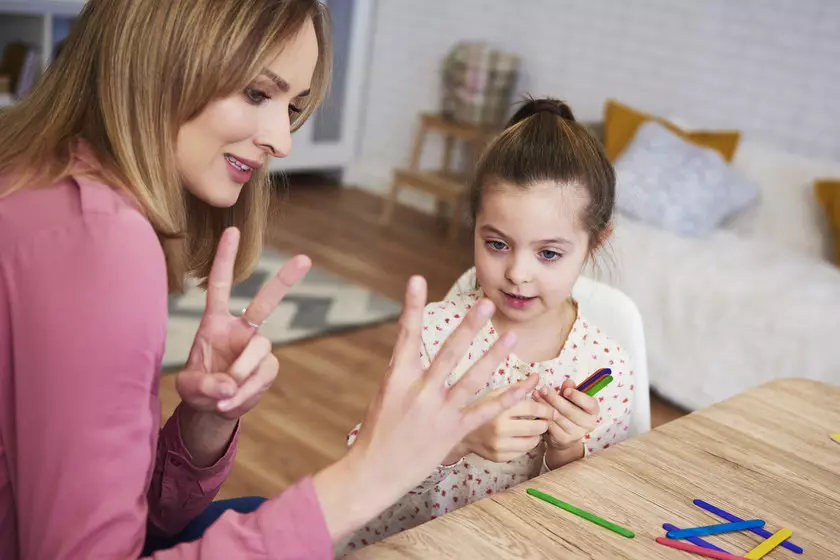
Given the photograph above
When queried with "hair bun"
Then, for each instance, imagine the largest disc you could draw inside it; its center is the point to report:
(543, 105)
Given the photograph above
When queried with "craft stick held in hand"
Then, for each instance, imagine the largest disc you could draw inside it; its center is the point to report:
(593, 379)
(595, 389)
(580, 513)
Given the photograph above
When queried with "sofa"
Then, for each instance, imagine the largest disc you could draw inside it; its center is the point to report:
(755, 298)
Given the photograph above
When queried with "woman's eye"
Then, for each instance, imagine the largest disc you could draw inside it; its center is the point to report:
(255, 96)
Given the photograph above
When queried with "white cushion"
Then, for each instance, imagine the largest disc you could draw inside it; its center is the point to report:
(665, 181)
(789, 214)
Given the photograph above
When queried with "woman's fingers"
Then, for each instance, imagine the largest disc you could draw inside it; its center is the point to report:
(483, 410)
(220, 280)
(407, 348)
(455, 346)
(203, 390)
(257, 349)
(273, 291)
(476, 377)
(260, 380)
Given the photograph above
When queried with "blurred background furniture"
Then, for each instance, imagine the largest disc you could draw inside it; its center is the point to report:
(449, 183)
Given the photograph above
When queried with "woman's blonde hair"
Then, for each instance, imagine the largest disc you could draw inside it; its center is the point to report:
(130, 74)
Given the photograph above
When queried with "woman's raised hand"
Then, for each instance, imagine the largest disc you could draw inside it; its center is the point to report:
(415, 420)
(230, 364)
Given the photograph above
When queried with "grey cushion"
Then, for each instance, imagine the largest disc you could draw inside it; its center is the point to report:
(668, 182)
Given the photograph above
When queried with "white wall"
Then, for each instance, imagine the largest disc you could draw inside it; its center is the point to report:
(770, 68)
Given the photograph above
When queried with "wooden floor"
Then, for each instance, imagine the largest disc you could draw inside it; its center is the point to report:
(325, 383)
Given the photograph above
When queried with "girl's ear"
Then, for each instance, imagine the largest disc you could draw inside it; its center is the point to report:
(603, 238)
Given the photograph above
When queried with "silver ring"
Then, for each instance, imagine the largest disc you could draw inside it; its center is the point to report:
(256, 326)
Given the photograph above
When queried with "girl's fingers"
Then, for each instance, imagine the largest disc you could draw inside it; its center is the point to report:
(564, 407)
(476, 377)
(483, 410)
(530, 409)
(524, 428)
(582, 400)
(255, 352)
(260, 380)
(456, 344)
(559, 434)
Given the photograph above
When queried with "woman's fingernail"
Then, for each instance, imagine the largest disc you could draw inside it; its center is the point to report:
(567, 393)
(225, 405)
(485, 309)
(544, 391)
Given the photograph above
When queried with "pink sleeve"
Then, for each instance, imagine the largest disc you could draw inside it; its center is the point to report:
(88, 310)
(179, 491)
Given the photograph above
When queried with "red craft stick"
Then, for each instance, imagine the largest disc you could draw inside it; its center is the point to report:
(707, 552)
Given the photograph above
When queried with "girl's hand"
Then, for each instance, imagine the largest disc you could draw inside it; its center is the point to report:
(230, 364)
(577, 416)
(510, 434)
(415, 420)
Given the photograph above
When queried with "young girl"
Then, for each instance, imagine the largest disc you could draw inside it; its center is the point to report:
(542, 201)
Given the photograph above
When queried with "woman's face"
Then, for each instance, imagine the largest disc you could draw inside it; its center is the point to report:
(218, 150)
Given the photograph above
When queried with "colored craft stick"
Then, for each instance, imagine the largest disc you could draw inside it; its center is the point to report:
(696, 540)
(580, 513)
(688, 547)
(836, 437)
(715, 529)
(758, 531)
(592, 391)
(592, 379)
(758, 552)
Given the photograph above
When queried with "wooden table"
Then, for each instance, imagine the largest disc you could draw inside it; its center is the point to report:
(763, 454)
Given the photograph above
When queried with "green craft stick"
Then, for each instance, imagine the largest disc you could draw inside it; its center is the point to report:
(592, 391)
(579, 512)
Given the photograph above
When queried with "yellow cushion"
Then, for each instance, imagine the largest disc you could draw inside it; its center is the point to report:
(828, 193)
(622, 121)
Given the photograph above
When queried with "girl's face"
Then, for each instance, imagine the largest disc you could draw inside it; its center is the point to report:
(218, 151)
(530, 246)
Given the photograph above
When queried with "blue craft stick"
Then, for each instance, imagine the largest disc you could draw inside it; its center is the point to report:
(715, 529)
(696, 540)
(593, 379)
(758, 531)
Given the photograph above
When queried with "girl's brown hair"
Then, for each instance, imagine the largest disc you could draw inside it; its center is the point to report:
(543, 142)
(130, 74)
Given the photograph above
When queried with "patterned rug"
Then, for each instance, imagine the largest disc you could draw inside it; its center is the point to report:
(321, 303)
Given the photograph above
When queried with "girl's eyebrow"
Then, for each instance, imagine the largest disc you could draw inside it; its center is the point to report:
(282, 84)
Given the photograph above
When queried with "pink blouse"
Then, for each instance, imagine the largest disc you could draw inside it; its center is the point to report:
(85, 470)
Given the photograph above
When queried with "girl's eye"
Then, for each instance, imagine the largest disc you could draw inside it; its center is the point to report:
(255, 96)
(497, 245)
(550, 255)
(295, 109)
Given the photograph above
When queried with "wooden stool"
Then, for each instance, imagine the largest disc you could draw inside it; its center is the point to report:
(447, 185)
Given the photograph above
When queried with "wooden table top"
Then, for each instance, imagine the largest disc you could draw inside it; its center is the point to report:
(765, 454)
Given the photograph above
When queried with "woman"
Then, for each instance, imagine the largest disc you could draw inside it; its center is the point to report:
(140, 159)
